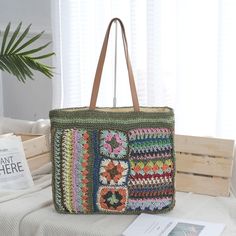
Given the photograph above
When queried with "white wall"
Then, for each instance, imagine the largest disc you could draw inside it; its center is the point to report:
(28, 11)
(32, 100)
(233, 179)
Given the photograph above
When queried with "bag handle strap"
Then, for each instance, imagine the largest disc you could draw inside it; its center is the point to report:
(97, 79)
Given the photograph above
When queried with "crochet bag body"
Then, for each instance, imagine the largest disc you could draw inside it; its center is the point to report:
(113, 160)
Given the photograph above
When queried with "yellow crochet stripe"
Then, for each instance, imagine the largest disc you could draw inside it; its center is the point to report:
(67, 169)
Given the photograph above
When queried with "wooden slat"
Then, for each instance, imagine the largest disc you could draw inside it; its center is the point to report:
(25, 137)
(202, 185)
(204, 165)
(35, 146)
(38, 161)
(204, 146)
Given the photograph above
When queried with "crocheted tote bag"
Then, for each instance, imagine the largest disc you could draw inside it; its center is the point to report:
(113, 160)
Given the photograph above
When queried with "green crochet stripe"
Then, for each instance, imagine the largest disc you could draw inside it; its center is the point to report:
(110, 124)
(112, 113)
(150, 144)
(80, 118)
(106, 125)
(57, 169)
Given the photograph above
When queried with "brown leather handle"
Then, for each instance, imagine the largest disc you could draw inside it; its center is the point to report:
(97, 79)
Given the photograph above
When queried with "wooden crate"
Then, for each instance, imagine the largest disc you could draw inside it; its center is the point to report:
(38, 161)
(204, 165)
(37, 150)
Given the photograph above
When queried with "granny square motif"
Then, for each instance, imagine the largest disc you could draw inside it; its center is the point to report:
(126, 166)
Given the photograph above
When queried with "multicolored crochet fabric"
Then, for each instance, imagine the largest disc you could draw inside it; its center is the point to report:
(113, 162)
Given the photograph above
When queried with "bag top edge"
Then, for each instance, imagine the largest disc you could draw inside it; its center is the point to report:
(146, 109)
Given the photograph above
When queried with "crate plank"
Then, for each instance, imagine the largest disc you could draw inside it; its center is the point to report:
(202, 185)
(37, 161)
(204, 165)
(35, 146)
(204, 146)
(25, 137)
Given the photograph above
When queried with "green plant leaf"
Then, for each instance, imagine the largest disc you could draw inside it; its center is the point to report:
(4, 67)
(20, 39)
(33, 64)
(15, 34)
(44, 56)
(34, 50)
(28, 42)
(5, 37)
(13, 68)
(21, 63)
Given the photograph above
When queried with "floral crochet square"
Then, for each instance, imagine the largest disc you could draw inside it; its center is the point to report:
(113, 172)
(112, 199)
(113, 144)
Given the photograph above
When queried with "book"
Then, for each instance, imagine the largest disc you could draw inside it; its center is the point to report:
(14, 170)
(155, 225)
(36, 149)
